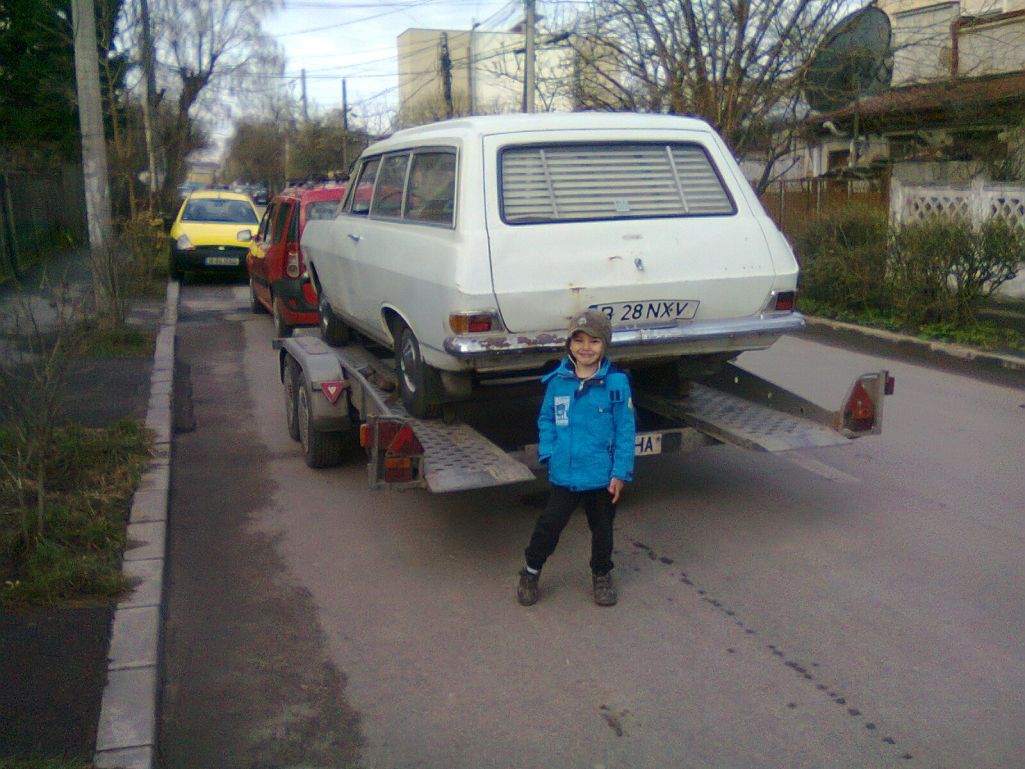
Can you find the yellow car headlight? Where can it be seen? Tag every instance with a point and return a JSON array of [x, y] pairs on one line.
[[184, 244]]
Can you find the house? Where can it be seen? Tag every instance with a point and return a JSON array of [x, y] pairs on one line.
[[956, 105]]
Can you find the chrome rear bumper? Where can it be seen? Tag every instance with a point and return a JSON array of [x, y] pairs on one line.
[[696, 337]]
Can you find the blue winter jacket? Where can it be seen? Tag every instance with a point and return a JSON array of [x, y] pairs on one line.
[[586, 428]]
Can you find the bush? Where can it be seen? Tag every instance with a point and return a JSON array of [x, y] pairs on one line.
[[843, 258], [144, 239], [939, 268]]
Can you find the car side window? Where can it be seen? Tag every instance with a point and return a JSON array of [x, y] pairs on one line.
[[432, 187], [261, 234], [280, 222], [363, 191], [390, 182]]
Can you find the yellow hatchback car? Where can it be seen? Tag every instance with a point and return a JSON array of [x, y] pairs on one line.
[[205, 234]]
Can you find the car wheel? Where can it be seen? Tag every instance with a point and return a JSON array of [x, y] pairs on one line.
[[281, 327], [320, 449], [415, 377], [332, 330], [292, 383], [254, 304]]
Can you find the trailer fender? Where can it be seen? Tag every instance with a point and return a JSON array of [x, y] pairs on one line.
[[323, 376]]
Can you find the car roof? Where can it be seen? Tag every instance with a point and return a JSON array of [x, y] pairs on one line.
[[222, 194], [311, 194], [475, 127]]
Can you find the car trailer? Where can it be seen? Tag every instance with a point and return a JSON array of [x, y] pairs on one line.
[[334, 394]]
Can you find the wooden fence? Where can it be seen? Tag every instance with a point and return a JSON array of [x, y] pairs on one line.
[[35, 206], [794, 204]]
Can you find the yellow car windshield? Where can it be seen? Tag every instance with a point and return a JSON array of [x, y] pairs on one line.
[[215, 210]]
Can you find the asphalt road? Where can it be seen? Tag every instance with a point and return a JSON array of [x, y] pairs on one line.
[[852, 607]]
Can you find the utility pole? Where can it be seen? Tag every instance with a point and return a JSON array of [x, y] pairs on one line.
[[528, 74], [345, 128], [469, 71], [446, 74], [306, 114], [149, 101], [94, 144]]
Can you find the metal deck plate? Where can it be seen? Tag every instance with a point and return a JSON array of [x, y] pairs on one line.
[[740, 422], [458, 458]]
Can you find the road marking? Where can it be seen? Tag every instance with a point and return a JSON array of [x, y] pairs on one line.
[[822, 469]]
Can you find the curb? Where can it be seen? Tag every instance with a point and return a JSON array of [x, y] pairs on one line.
[[126, 736], [957, 351]]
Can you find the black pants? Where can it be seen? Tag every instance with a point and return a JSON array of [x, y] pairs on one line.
[[561, 504]]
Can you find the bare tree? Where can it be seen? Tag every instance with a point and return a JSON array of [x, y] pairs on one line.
[[739, 64], [206, 51]]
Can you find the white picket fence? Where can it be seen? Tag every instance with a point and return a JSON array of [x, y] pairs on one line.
[[976, 202]]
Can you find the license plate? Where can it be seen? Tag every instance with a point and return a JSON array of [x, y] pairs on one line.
[[646, 444], [650, 312], [221, 261]]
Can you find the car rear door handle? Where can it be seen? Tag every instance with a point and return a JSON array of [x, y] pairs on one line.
[[354, 237]]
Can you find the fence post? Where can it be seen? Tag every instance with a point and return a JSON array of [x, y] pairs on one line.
[[978, 203], [896, 201]]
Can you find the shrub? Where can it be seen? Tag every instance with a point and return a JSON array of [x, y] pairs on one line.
[[843, 258], [939, 268]]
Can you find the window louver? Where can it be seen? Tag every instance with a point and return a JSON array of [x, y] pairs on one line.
[[574, 182]]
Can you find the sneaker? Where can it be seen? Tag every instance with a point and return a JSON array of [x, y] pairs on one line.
[[604, 591], [526, 591]]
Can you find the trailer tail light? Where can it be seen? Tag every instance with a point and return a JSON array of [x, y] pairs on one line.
[[859, 415], [398, 469], [472, 322], [396, 453], [293, 264], [786, 301]]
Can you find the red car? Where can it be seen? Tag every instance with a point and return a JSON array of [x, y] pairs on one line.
[[277, 280]]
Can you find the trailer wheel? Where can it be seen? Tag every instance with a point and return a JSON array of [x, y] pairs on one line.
[[320, 449], [281, 327], [332, 330], [293, 379], [415, 377]]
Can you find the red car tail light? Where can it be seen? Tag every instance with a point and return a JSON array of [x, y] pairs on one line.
[[293, 266]]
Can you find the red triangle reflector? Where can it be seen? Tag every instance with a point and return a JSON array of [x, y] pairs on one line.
[[332, 390]]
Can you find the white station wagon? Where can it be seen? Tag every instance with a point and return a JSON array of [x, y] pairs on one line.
[[468, 245]]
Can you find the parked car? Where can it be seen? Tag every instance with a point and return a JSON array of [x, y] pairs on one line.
[[468, 245], [277, 276], [205, 233]]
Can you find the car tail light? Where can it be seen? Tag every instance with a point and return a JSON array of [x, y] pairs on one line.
[[472, 322], [785, 301], [293, 266]]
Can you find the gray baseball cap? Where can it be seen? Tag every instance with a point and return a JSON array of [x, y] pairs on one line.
[[593, 323]]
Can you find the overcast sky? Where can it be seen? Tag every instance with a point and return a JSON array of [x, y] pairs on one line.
[[356, 40]]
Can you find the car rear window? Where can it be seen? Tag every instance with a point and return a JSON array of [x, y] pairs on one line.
[[574, 182], [218, 210]]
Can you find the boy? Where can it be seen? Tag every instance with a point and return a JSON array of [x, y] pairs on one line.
[[586, 429]]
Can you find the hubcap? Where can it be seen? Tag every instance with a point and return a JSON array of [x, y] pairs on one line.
[[407, 363]]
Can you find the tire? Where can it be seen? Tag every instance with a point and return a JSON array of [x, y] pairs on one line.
[[320, 449], [281, 327], [292, 383], [332, 330], [416, 379], [255, 304]]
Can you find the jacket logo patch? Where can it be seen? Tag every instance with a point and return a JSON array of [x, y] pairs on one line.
[[561, 410], [615, 396]]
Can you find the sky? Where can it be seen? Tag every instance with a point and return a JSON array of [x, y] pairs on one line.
[[356, 40]]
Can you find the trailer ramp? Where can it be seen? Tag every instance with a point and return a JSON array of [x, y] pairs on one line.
[[744, 410]]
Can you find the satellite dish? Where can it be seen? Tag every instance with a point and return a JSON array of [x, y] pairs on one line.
[[854, 60]]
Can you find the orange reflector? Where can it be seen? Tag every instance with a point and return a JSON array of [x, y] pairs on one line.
[[860, 412], [332, 390], [365, 435]]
